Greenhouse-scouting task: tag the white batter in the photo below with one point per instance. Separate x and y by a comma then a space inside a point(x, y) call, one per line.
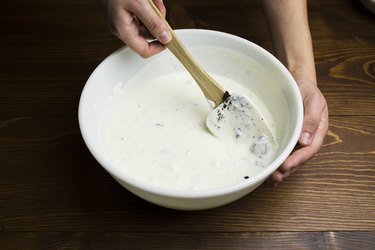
point(157, 132)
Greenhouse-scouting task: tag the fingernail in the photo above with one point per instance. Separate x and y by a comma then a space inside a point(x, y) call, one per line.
point(305, 138)
point(164, 37)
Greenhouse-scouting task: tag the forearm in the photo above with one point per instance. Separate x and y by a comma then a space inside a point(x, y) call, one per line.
point(291, 38)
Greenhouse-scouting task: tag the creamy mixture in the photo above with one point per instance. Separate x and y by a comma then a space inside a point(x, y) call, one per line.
point(157, 132)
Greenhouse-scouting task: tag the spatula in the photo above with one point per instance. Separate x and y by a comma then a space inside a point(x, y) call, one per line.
point(234, 118)
point(212, 90)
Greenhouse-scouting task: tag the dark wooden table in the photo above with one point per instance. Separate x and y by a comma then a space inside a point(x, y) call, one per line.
point(54, 195)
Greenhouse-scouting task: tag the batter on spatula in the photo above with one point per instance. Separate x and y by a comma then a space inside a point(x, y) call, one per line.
point(238, 120)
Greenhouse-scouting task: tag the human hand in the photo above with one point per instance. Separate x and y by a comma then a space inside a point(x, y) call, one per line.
point(135, 21)
point(314, 129)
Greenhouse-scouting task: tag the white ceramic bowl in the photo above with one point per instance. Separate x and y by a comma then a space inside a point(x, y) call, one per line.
point(369, 4)
point(124, 63)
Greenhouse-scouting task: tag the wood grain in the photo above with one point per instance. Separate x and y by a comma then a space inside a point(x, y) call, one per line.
point(61, 187)
point(206, 240)
point(54, 195)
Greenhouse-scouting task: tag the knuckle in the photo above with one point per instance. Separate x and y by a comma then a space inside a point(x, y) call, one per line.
point(311, 124)
point(154, 25)
point(144, 53)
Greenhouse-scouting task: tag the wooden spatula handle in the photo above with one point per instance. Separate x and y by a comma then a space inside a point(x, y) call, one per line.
point(210, 88)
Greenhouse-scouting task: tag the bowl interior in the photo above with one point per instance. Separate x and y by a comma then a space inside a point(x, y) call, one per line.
point(274, 86)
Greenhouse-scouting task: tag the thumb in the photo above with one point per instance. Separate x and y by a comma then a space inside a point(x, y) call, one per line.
point(308, 131)
point(153, 22)
point(314, 105)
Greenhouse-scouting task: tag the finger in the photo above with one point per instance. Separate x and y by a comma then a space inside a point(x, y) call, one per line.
point(304, 154)
point(143, 31)
point(275, 178)
point(160, 5)
point(300, 156)
point(314, 104)
point(128, 31)
point(151, 20)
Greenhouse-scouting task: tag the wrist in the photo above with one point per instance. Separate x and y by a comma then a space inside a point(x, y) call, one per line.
point(304, 76)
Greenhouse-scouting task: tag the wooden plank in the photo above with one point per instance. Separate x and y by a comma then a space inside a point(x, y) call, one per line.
point(44, 66)
point(346, 75)
point(204, 240)
point(49, 181)
point(53, 193)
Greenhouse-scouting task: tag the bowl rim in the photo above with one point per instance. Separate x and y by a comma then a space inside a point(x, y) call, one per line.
point(120, 174)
